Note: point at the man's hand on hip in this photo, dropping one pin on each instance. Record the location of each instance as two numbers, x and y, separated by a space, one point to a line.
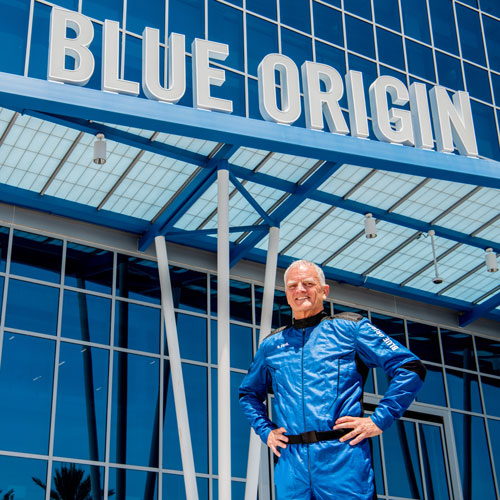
277 438
362 428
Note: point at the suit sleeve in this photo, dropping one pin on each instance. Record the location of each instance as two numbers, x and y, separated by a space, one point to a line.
253 394
406 371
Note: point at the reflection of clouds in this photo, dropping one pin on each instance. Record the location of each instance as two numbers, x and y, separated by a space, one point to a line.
37 378
12 337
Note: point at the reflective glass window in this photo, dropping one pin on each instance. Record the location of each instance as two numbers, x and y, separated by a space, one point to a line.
463 389
225 25
111 10
472 3
335 3
361 8
26 393
138 17
137 327
377 465
420 61
128 483
424 341
433 456
394 327
36 256
387 13
192 332
95 80
262 39
494 429
133 60
86 317
16 478
488 355
478 83
390 48
473 457
196 386
174 485
401 459
443 26
296 14
186 16
4 244
433 390
491 394
495 83
369 70
71 480
491 7
339 308
449 71
359 36
89 268
134 409
484 123
369 384
32 307
234 89
240 307
458 349
137 279
328 24
189 289
241 353
282 314
81 402
38 50
13 31
416 22
326 54
262 7
469 29
296 46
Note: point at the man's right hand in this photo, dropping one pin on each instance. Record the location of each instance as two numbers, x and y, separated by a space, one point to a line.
277 438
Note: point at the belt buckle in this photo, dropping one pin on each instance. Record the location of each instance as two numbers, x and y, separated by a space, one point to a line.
309 437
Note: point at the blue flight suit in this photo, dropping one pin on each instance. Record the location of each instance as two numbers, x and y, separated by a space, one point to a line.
316 370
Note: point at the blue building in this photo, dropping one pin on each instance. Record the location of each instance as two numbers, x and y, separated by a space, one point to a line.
367 131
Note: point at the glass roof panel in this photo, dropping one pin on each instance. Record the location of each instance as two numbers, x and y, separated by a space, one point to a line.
248 157
152 182
492 232
475 286
5 117
288 167
31 152
384 189
201 209
194 145
344 179
433 199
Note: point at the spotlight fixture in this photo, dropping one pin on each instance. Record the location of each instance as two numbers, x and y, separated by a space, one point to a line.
100 149
370 226
491 260
437 280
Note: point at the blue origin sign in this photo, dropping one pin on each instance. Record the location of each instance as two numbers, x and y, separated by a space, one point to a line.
400 115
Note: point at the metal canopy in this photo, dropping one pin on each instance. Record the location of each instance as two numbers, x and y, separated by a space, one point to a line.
160 179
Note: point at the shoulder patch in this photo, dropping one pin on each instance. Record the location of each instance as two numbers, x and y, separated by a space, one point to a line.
278 330
350 316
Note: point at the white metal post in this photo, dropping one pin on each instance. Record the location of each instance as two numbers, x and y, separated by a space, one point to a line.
223 379
254 451
176 371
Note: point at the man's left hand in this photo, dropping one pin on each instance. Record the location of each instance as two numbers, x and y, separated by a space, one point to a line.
362 428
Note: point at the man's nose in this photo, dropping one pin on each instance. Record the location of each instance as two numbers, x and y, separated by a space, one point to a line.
301 287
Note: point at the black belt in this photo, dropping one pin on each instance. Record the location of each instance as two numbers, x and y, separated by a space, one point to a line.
316 436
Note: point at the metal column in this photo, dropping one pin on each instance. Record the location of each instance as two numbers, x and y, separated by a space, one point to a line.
223 379
176 371
254 451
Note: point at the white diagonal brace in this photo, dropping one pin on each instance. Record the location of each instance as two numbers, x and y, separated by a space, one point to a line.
254 451
167 303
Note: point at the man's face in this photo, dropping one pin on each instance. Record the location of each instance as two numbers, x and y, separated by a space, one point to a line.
304 292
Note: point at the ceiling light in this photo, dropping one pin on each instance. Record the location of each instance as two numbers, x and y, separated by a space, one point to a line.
491 260
370 226
100 149
437 280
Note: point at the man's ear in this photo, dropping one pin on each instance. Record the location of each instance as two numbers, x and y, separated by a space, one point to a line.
326 290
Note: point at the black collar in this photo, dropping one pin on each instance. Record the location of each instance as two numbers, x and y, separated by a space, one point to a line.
299 324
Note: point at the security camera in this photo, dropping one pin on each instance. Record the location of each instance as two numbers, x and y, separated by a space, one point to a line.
437 280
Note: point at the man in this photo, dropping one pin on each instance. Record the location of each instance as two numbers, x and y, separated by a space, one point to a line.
316 369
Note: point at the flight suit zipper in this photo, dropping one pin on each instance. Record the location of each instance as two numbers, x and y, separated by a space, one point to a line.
303 403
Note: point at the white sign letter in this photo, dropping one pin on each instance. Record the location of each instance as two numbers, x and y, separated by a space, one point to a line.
110 61
384 118
204 75
60 46
357 104
453 121
421 116
317 102
290 89
176 60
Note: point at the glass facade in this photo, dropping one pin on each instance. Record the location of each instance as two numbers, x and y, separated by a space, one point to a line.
453 43
88 401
